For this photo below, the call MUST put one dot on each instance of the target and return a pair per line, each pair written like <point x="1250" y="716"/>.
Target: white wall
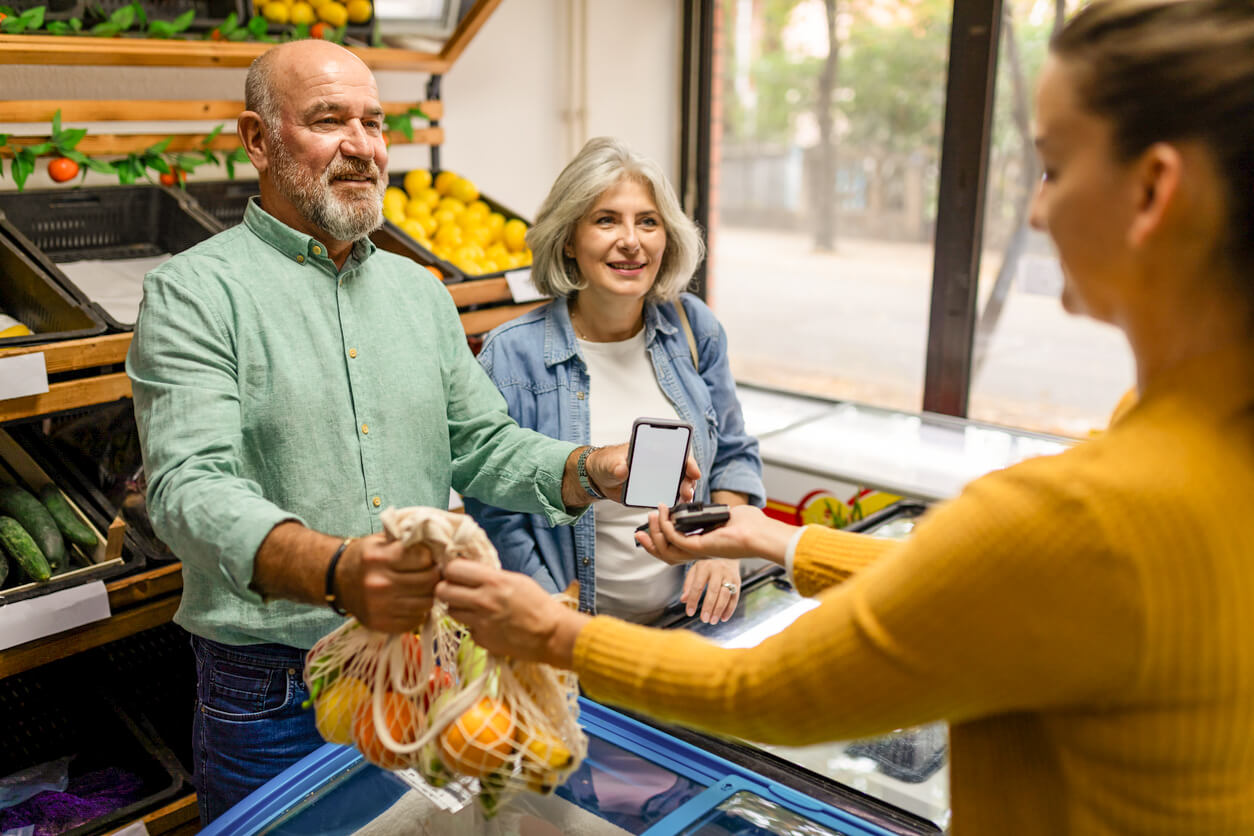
<point x="507" y="99"/>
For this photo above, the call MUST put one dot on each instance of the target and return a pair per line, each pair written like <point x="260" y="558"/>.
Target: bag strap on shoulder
<point x="687" y="326"/>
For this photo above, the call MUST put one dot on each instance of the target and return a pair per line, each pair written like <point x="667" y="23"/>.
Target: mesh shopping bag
<point x="435" y="701"/>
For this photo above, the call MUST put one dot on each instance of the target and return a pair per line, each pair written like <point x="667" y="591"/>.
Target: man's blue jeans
<point x="249" y="725"/>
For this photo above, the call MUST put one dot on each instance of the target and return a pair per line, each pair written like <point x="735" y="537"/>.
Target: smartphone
<point x="655" y="462"/>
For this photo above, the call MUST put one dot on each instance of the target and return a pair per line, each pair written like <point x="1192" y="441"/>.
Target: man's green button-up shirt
<point x="270" y="386"/>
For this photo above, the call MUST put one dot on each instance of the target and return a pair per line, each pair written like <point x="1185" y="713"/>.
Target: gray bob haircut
<point x="599" y="165"/>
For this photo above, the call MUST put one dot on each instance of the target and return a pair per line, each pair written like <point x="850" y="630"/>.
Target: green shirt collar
<point x="297" y="246"/>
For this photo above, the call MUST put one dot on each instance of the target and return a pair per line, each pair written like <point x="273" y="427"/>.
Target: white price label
<point x="23" y="375"/>
<point x="521" y="287"/>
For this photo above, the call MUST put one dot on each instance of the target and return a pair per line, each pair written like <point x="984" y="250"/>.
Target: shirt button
<point x="376" y="502"/>
<point x="352" y="352"/>
<point x="580" y="396"/>
<point x="300" y="259"/>
<point x="365" y="429"/>
<point x="585" y="561"/>
<point x="317" y="250"/>
<point x="291" y="671"/>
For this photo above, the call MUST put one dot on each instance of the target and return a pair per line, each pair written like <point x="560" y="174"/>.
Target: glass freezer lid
<point x="637" y="779"/>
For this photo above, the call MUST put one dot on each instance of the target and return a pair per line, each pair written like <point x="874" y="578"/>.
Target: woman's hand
<point x="748" y="533"/>
<point x="510" y="614"/>
<point x="719" y="579"/>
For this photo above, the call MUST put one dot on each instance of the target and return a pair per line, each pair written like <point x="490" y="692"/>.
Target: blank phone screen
<point x="657" y="465"/>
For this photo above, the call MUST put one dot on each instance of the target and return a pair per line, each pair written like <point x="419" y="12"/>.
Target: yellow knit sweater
<point x="1084" y="621"/>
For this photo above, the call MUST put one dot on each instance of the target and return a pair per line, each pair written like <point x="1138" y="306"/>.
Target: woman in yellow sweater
<point x="1083" y="621"/>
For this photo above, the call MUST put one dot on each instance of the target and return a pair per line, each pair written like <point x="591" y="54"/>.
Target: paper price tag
<point x="521" y="287"/>
<point x="23" y="375"/>
<point x="452" y="797"/>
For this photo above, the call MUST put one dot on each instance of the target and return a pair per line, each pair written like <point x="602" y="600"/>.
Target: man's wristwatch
<point x="581" y="470"/>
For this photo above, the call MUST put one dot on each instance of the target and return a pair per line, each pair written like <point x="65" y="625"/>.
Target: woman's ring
<point x="731" y="587"/>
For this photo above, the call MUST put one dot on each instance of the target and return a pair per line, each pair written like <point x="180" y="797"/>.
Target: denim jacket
<point x="535" y="361"/>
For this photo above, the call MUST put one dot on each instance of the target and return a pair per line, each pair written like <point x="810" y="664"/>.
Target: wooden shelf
<point x="142" y="602"/>
<point x="126" y="52"/>
<point x="178" y="818"/>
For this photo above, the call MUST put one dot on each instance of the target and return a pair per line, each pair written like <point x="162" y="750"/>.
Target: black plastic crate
<point x="226" y="200"/>
<point x="54" y="226"/>
<point x="57" y="711"/>
<point x="53" y="9"/>
<point x="397" y="180"/>
<point x="29" y="294"/>
<point x="209" y="13"/>
<point x="101" y="465"/>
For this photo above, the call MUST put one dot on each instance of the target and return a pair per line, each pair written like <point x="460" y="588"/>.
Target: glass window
<point x="1033" y="365"/>
<point x="824" y="164"/>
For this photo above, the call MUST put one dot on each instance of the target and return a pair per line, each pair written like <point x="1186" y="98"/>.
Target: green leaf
<point x="100" y="166"/>
<point x="238" y="35"/>
<point x="23" y="165"/>
<point x="157" y="163"/>
<point x="161" y="29"/>
<point x="76" y="24"/>
<point x="160" y="147"/>
<point x="124" y="17"/>
<point x="210" y="137"/>
<point x="12" y="26"/>
<point x="230" y="168"/>
<point x="77" y="156"/>
<point x="4" y="140"/>
<point x="229" y="25"/>
<point x="184" y="20"/>
<point x="33" y="18"/>
<point x="300" y="32"/>
<point x="257" y="26"/>
<point x="36" y="150"/>
<point x="58" y="27"/>
<point x="106" y="30"/>
<point x="56" y="123"/>
<point x="419" y="113"/>
<point x="126" y="176"/>
<point x="69" y="138"/>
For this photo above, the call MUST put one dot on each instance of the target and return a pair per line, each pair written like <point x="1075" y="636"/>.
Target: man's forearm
<point x="292" y="562"/>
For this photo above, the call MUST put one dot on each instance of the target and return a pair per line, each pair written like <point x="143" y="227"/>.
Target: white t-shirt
<point x="631" y="584"/>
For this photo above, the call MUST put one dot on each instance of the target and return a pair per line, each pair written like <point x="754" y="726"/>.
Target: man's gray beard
<point x="343" y="220"/>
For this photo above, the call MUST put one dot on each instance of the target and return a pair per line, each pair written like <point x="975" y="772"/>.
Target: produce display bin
<point x="118" y="768"/>
<point x="30" y="294"/>
<point x="53" y="9"/>
<point x="209" y="13"/>
<point x="226" y="200"/>
<point x="636" y="778"/>
<point x="106" y="561"/>
<point x="100" y="469"/>
<point x="396" y="179"/>
<point x="55" y="226"/>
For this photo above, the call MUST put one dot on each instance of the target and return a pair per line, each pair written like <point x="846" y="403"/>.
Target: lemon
<point x="490" y="266"/>
<point x="496" y="252"/>
<point x="333" y="13"/>
<point x="514" y="235"/>
<point x="481" y="235"/>
<point x="449" y="235"/>
<point x="416" y="208"/>
<point x="395" y="195"/>
<point x="464" y="190"/>
<point x="526" y="257"/>
<point x="336" y="707"/>
<point x="444" y="217"/>
<point x="428" y="196"/>
<point x="275" y="12"/>
<point x="359" y="11"/>
<point x="417" y="180"/>
<point x="302" y="12"/>
<point x="496" y="223"/>
<point x="393" y="214"/>
<point x="477" y="213"/>
<point x="413" y="228"/>
<point x="429" y="224"/>
<point x="444" y="182"/>
<point x="453" y="205"/>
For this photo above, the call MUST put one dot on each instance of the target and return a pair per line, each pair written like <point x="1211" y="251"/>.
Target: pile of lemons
<point x="331" y="12"/>
<point x="447" y="217"/>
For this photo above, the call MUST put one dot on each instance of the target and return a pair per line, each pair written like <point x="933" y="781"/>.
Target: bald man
<point x="291" y="382"/>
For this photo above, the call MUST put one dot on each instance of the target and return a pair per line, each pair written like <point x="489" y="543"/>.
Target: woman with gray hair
<point x="619" y="340"/>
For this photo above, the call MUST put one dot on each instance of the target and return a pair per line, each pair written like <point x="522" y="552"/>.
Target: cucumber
<point x="68" y="523"/>
<point x="22" y="506"/>
<point x="20" y="546"/>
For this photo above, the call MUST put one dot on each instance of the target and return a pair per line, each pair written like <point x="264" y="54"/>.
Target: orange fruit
<point x="435" y="270"/>
<point x="479" y="741"/>
<point x="62" y="169"/>
<point x="400" y="717"/>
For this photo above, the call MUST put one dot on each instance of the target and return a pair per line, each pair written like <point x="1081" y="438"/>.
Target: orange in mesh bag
<point x="436" y="701"/>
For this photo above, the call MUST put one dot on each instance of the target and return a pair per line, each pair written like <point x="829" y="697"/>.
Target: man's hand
<point x="388" y="587"/>
<point x="607" y="470"/>
<point x="510" y="614"/>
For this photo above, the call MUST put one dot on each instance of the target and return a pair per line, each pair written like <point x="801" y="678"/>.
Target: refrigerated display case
<point x="907" y="768"/>
<point x="636" y="779"/>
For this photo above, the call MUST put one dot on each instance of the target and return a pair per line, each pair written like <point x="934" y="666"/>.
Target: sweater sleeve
<point x="828" y="556"/>
<point x="1005" y="599"/>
